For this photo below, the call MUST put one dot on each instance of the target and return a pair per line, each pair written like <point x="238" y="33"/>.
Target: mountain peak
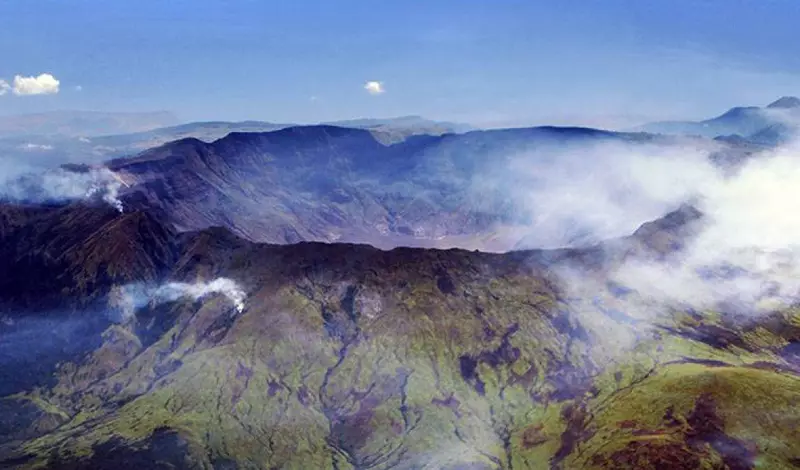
<point x="785" y="102"/>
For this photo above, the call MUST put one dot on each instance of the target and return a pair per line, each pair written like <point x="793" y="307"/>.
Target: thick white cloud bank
<point x="748" y="251"/>
<point x="741" y="262"/>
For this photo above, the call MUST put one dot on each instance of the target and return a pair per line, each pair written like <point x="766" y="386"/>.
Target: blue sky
<point x="495" y="62"/>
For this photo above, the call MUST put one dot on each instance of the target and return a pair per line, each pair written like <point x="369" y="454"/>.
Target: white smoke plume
<point x="227" y="287"/>
<point x="59" y="185"/>
<point x="128" y="299"/>
<point x="106" y="184"/>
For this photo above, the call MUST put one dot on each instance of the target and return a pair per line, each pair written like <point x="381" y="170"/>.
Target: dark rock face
<point x="707" y="427"/>
<point x="791" y="352"/>
<point x="163" y="450"/>
<point x="19" y="416"/>
<point x="78" y="250"/>
<point x="32" y="348"/>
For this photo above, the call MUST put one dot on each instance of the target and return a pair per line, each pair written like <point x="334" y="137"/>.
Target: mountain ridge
<point x="274" y="166"/>
<point x="327" y="183"/>
<point x="94" y="147"/>
<point x="490" y="354"/>
<point x="785" y="102"/>
<point x="75" y="123"/>
<point x="749" y="122"/>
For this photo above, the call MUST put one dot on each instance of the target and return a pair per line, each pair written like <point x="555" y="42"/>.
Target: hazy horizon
<point x="617" y="122"/>
<point x="602" y="64"/>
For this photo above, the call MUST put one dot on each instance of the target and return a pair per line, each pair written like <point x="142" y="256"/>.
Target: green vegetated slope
<point x="347" y="357"/>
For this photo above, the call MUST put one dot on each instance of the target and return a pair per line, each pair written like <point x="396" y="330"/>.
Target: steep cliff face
<point x="346" y="356"/>
<point x="53" y="254"/>
<point x="330" y="184"/>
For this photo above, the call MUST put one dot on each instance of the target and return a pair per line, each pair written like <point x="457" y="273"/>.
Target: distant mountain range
<point x="397" y="129"/>
<point x="82" y="123"/>
<point x="87" y="136"/>
<point x="770" y="125"/>
<point x="65" y="138"/>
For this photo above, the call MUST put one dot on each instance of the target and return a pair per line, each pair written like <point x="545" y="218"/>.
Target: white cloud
<point x="34" y="147"/>
<point x="78" y="88"/>
<point x="44" y="84"/>
<point x="374" y="88"/>
<point x="749" y="249"/>
<point x="4" y="87"/>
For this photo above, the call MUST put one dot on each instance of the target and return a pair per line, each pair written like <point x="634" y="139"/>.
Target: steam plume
<point x="59" y="185"/>
<point x="132" y="297"/>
